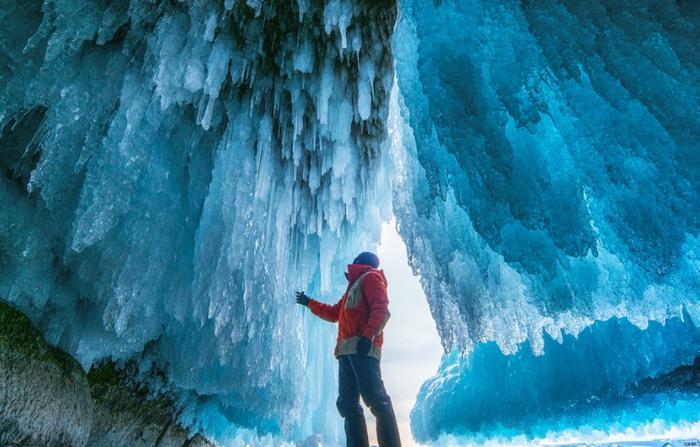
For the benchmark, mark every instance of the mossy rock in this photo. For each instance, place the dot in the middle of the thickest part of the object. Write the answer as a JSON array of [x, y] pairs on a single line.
[[127, 410], [18, 334], [44, 393], [47, 399]]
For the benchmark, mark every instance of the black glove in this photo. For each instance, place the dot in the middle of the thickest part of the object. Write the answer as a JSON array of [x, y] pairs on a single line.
[[363, 346], [302, 299]]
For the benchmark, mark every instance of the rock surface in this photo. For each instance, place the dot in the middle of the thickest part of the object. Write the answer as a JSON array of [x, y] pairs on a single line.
[[47, 399]]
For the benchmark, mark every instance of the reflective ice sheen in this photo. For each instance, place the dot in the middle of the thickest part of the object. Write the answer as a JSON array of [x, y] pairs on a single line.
[[551, 182], [173, 172]]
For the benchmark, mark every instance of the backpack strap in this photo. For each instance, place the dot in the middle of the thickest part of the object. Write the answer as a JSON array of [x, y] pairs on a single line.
[[355, 293]]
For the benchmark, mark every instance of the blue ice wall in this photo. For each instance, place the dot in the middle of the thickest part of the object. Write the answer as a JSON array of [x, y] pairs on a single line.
[[550, 177], [558, 158], [171, 172], [613, 377]]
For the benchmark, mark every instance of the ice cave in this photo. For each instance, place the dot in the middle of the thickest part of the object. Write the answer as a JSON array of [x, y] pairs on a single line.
[[171, 172]]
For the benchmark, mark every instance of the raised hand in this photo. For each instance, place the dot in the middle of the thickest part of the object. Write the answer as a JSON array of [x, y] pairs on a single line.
[[302, 298]]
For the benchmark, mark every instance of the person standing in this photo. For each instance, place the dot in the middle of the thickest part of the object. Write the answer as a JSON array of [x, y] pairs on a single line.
[[361, 314]]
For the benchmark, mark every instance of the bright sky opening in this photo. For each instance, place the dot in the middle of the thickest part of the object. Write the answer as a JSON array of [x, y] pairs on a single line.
[[412, 350]]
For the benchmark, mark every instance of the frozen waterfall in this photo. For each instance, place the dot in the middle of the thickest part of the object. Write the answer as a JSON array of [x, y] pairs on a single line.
[[548, 200], [171, 172]]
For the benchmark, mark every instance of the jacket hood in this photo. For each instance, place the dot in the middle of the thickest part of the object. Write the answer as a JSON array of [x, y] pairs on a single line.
[[355, 270]]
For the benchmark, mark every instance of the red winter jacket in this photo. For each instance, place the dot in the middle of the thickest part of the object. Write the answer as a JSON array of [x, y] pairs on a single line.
[[362, 311]]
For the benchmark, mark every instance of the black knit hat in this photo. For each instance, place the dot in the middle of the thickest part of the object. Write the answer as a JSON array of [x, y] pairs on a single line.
[[367, 258]]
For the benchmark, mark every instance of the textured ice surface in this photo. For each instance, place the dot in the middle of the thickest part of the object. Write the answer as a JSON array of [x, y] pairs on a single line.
[[558, 158], [550, 179], [173, 171], [611, 378]]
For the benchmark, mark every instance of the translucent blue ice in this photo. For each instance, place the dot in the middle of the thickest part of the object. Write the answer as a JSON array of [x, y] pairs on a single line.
[[558, 151], [550, 179], [173, 171], [170, 172], [601, 380]]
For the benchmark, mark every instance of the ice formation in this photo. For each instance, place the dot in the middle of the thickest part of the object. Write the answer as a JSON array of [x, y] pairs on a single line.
[[550, 181], [613, 378], [173, 171]]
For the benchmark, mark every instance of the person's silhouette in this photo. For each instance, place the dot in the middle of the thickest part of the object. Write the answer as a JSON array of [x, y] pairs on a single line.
[[361, 314]]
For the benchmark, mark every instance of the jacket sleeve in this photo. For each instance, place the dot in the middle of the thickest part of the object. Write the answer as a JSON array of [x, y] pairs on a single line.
[[374, 291], [325, 311]]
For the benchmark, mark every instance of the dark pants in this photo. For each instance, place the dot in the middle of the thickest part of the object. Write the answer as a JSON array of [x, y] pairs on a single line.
[[360, 376]]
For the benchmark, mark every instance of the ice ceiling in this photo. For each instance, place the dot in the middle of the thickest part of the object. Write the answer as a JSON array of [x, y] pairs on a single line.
[[172, 171]]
